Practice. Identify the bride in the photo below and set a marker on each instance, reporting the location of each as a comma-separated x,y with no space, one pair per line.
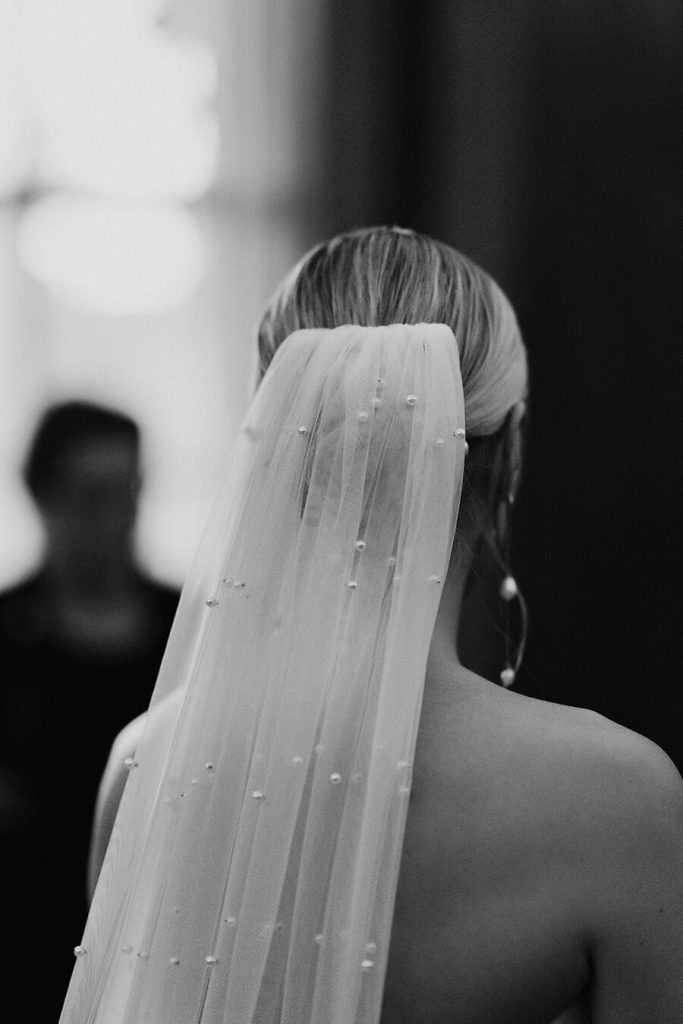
326,818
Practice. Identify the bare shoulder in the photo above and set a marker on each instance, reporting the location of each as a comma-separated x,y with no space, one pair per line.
553,837
625,798
586,792
109,794
126,742
615,782
602,825
632,798
622,779
115,775
608,807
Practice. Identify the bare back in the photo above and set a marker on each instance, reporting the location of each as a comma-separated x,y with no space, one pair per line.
513,900
542,871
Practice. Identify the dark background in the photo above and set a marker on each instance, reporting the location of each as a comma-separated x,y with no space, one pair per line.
543,139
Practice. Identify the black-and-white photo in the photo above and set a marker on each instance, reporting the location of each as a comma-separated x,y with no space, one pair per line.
340,597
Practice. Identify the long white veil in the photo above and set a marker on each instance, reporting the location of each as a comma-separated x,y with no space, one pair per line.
251,874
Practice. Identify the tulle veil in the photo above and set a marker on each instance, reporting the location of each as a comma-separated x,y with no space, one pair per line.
251,873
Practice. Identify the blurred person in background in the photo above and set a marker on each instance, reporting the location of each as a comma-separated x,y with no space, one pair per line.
80,644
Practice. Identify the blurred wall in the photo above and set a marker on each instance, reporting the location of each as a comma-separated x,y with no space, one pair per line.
603,306
544,140
159,173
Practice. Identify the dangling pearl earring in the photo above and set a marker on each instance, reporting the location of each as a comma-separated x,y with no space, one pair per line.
509,591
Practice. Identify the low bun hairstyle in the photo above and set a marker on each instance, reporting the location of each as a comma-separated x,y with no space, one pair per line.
384,275
378,276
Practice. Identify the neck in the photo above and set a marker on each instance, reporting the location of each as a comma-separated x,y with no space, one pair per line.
106,580
446,674
443,650
443,677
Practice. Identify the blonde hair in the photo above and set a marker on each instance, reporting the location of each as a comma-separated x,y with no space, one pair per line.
378,276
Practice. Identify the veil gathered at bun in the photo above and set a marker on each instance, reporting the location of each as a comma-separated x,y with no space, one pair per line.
252,869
